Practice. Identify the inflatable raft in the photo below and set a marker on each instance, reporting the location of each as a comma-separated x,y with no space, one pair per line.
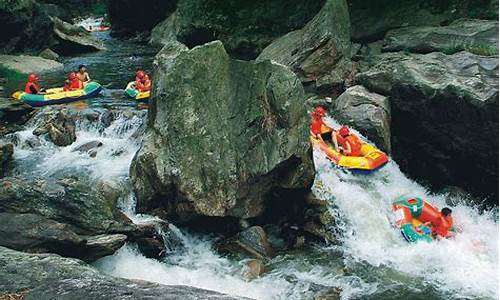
370,160
132,92
58,96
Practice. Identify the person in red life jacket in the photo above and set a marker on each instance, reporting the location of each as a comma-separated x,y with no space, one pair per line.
73,83
441,221
33,85
347,143
318,128
142,81
82,74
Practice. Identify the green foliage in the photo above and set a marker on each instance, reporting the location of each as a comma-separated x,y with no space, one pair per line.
483,49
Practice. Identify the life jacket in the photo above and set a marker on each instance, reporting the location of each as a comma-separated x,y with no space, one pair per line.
353,141
443,226
75,84
143,84
29,85
318,127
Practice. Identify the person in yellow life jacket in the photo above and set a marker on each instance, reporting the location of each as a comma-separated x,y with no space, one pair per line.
347,143
318,128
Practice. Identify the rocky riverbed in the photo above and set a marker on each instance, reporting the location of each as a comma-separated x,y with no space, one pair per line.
211,189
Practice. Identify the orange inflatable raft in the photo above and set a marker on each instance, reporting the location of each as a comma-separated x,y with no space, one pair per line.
370,160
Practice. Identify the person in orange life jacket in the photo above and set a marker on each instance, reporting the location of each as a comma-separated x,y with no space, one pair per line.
441,222
142,81
73,83
82,74
346,142
33,85
318,128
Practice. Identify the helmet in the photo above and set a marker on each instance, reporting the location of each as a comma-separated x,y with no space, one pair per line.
32,77
318,111
72,76
344,131
140,74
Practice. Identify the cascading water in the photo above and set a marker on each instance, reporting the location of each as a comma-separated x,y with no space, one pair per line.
372,262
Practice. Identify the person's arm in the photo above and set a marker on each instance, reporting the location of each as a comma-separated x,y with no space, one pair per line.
347,150
33,90
87,77
334,140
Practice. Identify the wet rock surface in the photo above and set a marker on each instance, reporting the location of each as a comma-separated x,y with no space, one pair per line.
230,144
251,242
64,278
59,128
6,152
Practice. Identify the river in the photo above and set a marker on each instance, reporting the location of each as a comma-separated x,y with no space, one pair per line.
372,262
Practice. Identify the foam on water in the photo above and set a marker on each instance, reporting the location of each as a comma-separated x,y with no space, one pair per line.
463,267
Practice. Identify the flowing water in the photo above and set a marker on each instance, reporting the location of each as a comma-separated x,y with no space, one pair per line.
372,262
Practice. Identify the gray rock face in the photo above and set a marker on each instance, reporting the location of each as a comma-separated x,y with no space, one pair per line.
72,39
444,116
62,217
59,127
476,36
49,276
251,241
370,113
49,54
221,135
372,19
6,152
321,51
24,64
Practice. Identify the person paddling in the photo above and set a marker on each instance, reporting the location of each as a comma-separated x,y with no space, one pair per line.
33,85
142,81
346,142
82,74
73,83
318,128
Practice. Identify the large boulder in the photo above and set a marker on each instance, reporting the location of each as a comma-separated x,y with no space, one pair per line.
222,134
370,20
71,39
244,27
48,276
251,241
320,52
476,36
444,116
63,217
25,64
13,114
368,112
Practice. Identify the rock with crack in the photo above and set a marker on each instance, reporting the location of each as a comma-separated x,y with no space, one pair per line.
368,112
6,152
59,127
444,112
476,36
221,135
49,276
320,52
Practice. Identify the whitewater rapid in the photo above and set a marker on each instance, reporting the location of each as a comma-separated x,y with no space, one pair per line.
373,261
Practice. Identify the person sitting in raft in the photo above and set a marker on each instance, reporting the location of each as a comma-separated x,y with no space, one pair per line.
441,222
73,83
318,128
82,74
33,85
346,142
142,81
